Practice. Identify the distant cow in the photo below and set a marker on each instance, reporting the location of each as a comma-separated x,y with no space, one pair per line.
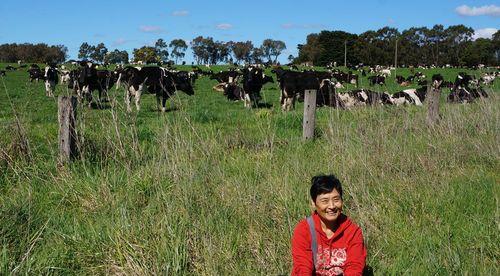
253,80
65,76
293,85
10,68
466,94
233,91
408,96
156,80
87,79
385,72
380,80
2,72
51,79
327,96
226,76
487,79
35,74
345,77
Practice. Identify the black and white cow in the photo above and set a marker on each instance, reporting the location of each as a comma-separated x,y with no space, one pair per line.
65,78
233,91
35,74
226,76
327,95
51,79
293,85
466,89
466,94
87,79
380,80
463,80
253,80
345,77
487,79
156,80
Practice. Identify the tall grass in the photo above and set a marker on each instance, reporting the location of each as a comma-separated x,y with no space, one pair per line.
212,188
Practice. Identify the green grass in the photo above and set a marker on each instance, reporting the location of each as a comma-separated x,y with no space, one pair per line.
213,188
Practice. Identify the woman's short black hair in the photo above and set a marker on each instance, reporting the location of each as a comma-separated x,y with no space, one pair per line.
323,184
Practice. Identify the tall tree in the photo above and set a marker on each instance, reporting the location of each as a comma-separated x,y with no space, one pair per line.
436,37
257,55
496,46
99,52
161,50
36,53
223,51
146,54
85,51
242,51
200,52
272,48
178,48
456,39
116,56
309,51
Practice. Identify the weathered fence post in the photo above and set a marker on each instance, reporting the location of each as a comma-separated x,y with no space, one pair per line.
433,93
67,131
309,114
332,99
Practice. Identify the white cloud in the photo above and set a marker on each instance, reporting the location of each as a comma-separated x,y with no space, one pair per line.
152,29
224,26
484,33
302,26
491,10
180,13
118,42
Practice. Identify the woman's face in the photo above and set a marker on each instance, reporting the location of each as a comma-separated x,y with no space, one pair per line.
329,205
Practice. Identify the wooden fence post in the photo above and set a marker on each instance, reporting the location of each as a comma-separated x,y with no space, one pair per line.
67,131
433,94
309,114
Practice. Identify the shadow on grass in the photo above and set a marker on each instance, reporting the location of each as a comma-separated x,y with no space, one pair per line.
99,105
167,110
264,105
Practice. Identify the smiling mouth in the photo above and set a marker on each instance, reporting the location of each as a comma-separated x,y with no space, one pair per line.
333,213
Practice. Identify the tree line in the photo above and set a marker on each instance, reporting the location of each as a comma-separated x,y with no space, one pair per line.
415,46
37,53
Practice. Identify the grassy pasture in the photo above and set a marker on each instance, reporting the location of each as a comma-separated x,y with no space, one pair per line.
212,188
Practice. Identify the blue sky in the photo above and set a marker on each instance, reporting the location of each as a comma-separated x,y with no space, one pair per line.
126,25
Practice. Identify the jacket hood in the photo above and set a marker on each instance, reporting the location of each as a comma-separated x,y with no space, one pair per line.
344,223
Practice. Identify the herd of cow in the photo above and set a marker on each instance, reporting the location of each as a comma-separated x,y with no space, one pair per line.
246,84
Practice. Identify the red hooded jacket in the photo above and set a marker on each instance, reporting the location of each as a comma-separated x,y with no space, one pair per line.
343,253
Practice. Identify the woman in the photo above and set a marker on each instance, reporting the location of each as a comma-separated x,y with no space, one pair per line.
327,242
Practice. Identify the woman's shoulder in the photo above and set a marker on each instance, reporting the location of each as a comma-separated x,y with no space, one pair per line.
351,227
301,228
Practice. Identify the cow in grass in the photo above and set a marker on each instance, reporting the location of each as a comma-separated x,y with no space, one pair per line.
226,76
380,80
253,80
51,79
293,85
327,95
35,74
87,79
156,80
466,94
